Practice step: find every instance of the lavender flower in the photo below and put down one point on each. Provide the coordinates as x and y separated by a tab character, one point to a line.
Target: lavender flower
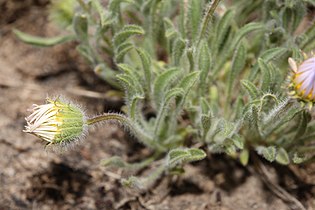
302	81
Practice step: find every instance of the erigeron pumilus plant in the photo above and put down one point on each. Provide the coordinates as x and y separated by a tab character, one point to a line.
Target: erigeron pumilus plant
233	76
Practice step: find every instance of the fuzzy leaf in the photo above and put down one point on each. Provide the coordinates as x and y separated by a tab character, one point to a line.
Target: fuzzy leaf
175	92
282	157
122	50
107	74
298	158
204	64
179	156
244	157
42	41
269	153
268	55
170	30
115	4
178	50
266	72
133	106
205	123
114	161
126	32
186	84
188	81
162	82
301	129
238	141
132	182
146	65
238	63
85	52
194	17
80	26
248	28
100	10
222	29
205	106
133	78
251	89
128	84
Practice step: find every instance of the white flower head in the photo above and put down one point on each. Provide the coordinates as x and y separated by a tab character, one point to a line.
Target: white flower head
57	122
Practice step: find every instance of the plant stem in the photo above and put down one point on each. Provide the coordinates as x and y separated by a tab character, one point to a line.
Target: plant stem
132	126
209	13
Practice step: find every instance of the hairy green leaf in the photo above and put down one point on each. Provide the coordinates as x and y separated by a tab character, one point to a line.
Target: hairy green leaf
126	32
178	50
282	157
269	153
122	50
194	17
80	26
251	89
162	82
42	41
146	65
244	157
179	156
114	5
238	63
268	55
204	64
222	29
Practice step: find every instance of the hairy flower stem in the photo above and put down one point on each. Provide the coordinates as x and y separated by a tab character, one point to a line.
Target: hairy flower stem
134	129
209	13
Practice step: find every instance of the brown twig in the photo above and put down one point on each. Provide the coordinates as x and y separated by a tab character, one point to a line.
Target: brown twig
293	203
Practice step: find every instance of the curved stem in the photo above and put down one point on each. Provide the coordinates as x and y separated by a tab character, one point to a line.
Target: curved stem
137	131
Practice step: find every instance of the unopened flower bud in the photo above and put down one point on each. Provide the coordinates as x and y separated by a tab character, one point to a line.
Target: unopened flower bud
57	122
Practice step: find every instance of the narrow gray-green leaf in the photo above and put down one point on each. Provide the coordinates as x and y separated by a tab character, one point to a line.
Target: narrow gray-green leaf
205	123
269	153
194	18
42	41
170	30
177	156
238	63
244	157
126	32
178	50
134	105
301	129
188	81
204	64
146	65
282	157
114	5
268	55
251	89
175	92
100	10
163	81
266	73
80	26
222	29
122	50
